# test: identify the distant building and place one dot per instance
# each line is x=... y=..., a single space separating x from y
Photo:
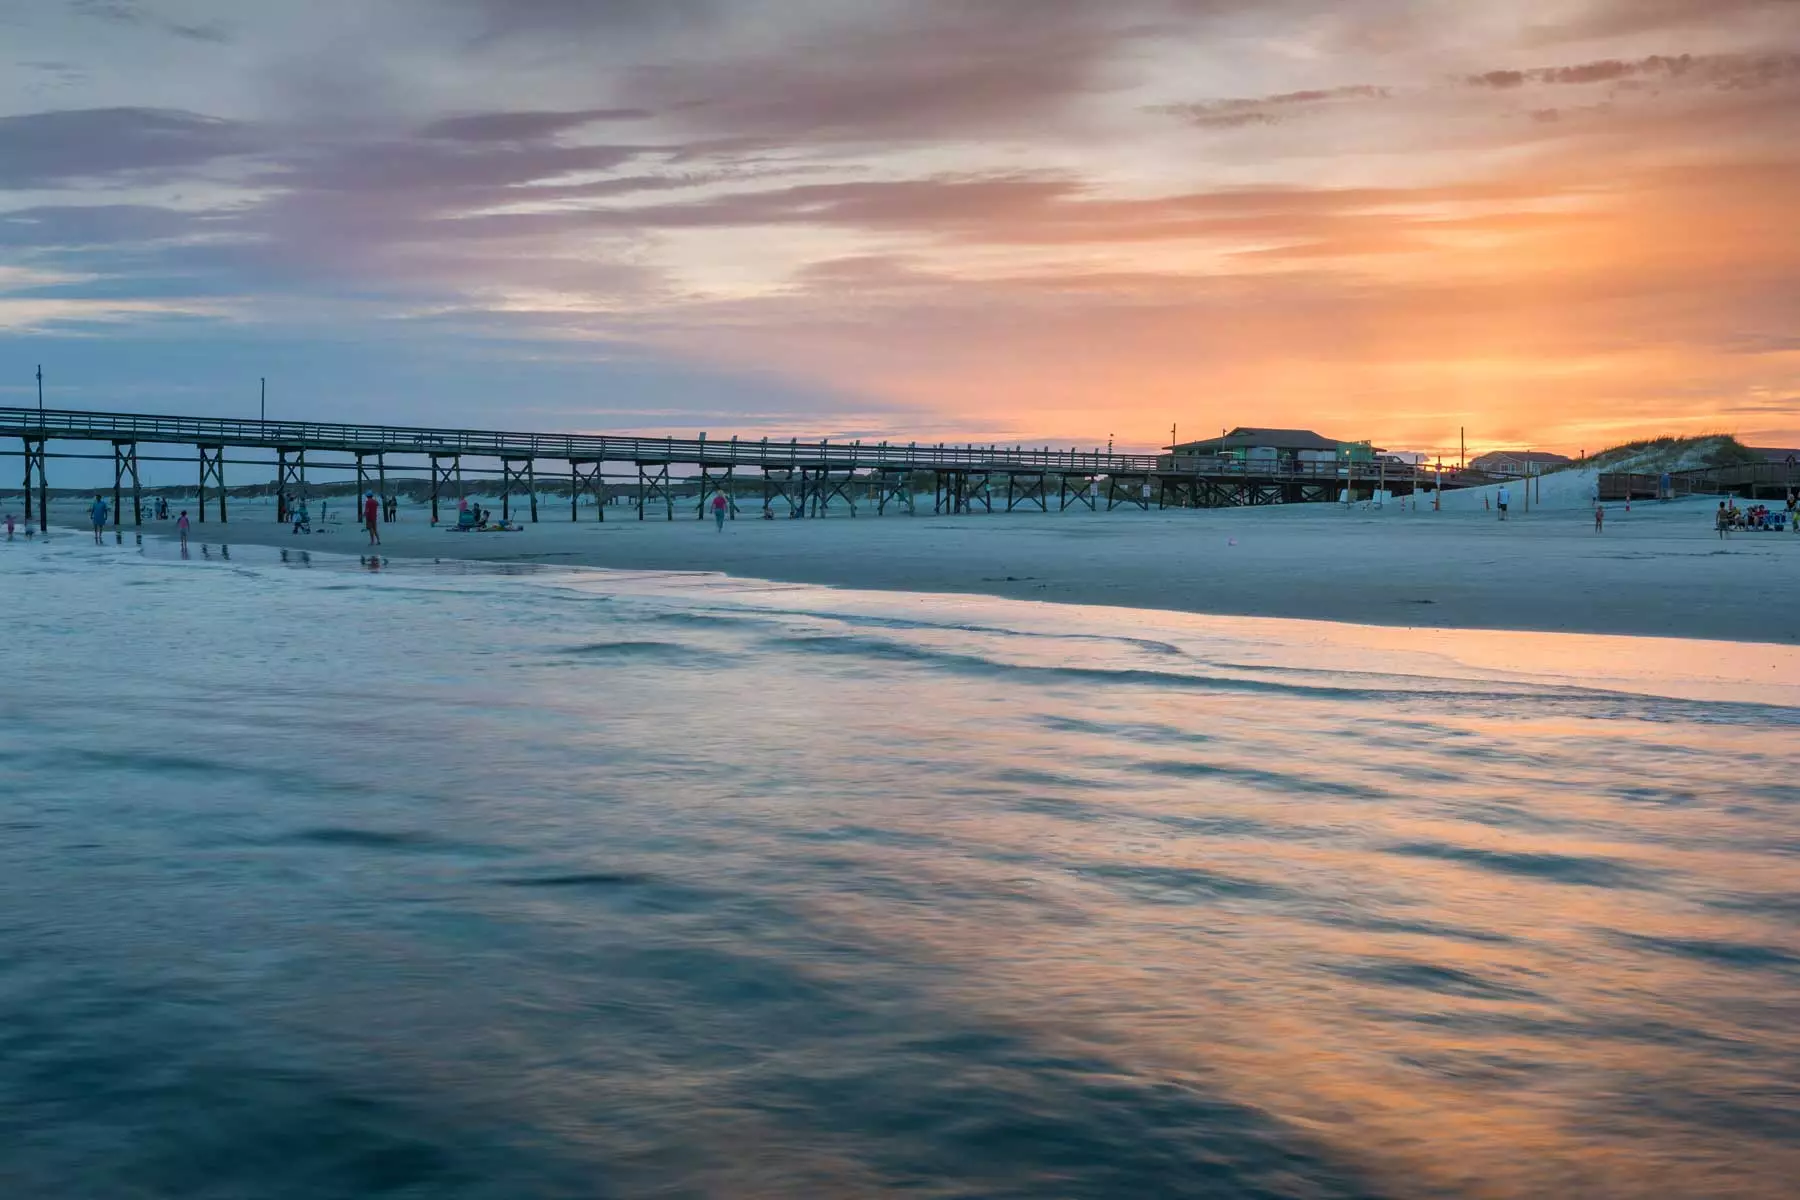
x=1776 y=454
x=1519 y=463
x=1272 y=447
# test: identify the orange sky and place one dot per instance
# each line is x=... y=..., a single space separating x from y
x=1559 y=223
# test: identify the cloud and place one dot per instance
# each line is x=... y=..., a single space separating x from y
x=1723 y=73
x=73 y=226
x=1598 y=19
x=134 y=13
x=513 y=126
x=46 y=149
x=879 y=73
x=1726 y=72
x=440 y=172
x=1266 y=110
x=498 y=20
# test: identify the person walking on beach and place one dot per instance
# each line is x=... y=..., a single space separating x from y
x=181 y=527
x=372 y=518
x=97 y=511
x=9 y=527
x=1503 y=499
x=719 y=505
x=1599 y=518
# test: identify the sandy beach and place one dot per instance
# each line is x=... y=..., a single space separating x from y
x=1659 y=570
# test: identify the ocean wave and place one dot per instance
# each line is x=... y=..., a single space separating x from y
x=1582 y=869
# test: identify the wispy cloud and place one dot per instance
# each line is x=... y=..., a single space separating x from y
x=1266 y=110
x=46 y=149
x=137 y=13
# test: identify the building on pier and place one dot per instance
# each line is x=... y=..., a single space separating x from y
x=1517 y=464
x=1281 y=449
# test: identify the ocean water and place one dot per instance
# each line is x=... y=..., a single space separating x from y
x=323 y=879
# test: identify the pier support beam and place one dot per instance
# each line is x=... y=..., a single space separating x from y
x=711 y=479
x=821 y=485
x=1128 y=489
x=212 y=471
x=1027 y=490
x=511 y=474
x=125 y=462
x=654 y=484
x=586 y=475
x=976 y=491
x=779 y=483
x=446 y=469
x=893 y=486
x=1080 y=488
x=946 y=492
x=1178 y=491
x=290 y=479
x=363 y=478
x=34 y=468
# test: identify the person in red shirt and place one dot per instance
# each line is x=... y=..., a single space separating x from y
x=372 y=518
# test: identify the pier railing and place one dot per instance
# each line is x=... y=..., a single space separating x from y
x=394 y=439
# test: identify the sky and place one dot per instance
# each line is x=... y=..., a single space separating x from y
x=1558 y=224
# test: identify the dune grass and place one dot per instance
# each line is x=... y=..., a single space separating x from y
x=1671 y=453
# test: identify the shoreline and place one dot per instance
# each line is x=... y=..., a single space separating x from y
x=1657 y=572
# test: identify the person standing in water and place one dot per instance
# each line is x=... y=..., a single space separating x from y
x=97 y=512
x=719 y=505
x=372 y=518
x=181 y=527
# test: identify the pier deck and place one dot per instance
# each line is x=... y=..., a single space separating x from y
x=810 y=476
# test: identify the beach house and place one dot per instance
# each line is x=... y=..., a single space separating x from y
x=1275 y=448
x=1517 y=464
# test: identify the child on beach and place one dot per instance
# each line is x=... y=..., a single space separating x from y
x=9 y=527
x=719 y=505
x=181 y=527
x=1599 y=517
x=97 y=511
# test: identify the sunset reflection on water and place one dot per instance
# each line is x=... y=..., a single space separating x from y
x=733 y=890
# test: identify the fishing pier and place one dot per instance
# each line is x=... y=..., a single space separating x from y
x=810 y=478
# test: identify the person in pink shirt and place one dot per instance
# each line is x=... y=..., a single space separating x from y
x=181 y=527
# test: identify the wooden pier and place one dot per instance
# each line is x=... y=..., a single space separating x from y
x=808 y=478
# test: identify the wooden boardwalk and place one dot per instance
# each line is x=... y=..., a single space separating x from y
x=806 y=477
x=1749 y=481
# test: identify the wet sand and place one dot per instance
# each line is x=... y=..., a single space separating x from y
x=1658 y=571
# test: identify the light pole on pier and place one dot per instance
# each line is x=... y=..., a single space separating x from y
x=40 y=379
x=262 y=410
